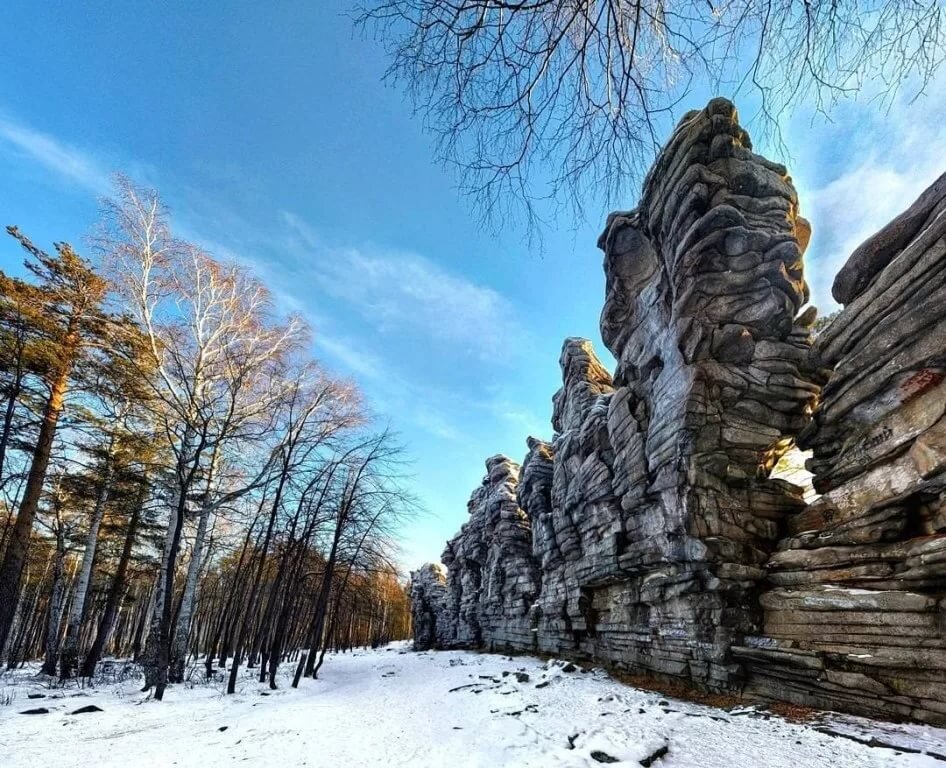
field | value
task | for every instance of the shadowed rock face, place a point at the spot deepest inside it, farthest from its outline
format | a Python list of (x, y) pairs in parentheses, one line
[(648, 533), (429, 608)]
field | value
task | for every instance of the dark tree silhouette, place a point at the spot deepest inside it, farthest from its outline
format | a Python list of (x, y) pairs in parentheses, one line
[(568, 97)]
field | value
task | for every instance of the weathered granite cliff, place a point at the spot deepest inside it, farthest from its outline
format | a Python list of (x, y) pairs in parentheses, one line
[(491, 578), (649, 533)]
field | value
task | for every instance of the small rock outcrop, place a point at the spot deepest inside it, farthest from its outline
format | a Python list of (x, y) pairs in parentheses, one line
[(650, 533), (429, 608), (492, 580)]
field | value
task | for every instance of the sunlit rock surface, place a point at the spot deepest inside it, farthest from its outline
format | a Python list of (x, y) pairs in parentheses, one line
[(649, 532)]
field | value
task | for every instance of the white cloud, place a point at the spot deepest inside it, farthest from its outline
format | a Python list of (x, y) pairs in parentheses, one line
[(854, 206), (61, 159), (403, 292), (406, 292), (891, 158), (348, 353), (392, 291)]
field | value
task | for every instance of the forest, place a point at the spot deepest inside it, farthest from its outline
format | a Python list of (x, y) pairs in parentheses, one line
[(180, 479)]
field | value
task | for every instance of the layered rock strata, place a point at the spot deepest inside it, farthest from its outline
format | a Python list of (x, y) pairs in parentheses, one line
[(703, 291), (856, 618), (650, 534), (492, 579), (429, 617)]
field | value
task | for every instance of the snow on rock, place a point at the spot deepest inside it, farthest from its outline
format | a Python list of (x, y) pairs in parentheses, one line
[(452, 708)]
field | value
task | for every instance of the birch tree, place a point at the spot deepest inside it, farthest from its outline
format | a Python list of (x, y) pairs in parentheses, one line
[(211, 341)]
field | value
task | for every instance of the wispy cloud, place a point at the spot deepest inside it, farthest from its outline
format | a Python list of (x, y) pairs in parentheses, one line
[(891, 157), (61, 159), (403, 292), (436, 424), (352, 356), (416, 403), (442, 412), (392, 292)]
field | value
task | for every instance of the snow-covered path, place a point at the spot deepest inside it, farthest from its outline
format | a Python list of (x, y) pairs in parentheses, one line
[(396, 708)]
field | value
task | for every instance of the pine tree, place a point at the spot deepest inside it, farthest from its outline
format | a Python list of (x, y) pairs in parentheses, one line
[(66, 310), (120, 439)]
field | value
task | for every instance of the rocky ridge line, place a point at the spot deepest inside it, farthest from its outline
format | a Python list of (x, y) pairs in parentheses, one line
[(650, 534)]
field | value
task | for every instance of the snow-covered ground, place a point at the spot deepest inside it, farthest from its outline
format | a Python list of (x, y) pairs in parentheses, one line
[(392, 707)]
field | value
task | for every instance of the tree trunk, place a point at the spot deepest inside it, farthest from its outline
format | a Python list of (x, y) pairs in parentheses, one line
[(235, 589), (11, 571), (115, 590), (141, 621), (9, 412), (20, 642), (254, 591), (282, 629), (318, 620), (333, 622), (69, 656), (182, 625), (55, 607), (157, 647)]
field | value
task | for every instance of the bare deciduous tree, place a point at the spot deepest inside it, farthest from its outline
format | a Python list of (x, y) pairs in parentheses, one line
[(567, 97), (216, 491), (213, 364)]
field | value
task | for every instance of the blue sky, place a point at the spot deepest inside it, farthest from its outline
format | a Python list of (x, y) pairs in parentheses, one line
[(269, 133)]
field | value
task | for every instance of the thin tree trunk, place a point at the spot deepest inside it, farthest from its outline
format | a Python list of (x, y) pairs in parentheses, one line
[(318, 620), (282, 630), (115, 590), (21, 645), (69, 655), (241, 632), (228, 606), (141, 621), (55, 607), (333, 620), (9, 411), (158, 650), (182, 625)]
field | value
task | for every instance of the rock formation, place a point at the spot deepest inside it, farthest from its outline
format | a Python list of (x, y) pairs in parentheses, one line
[(665, 475), (491, 578), (429, 608), (649, 533), (856, 617)]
